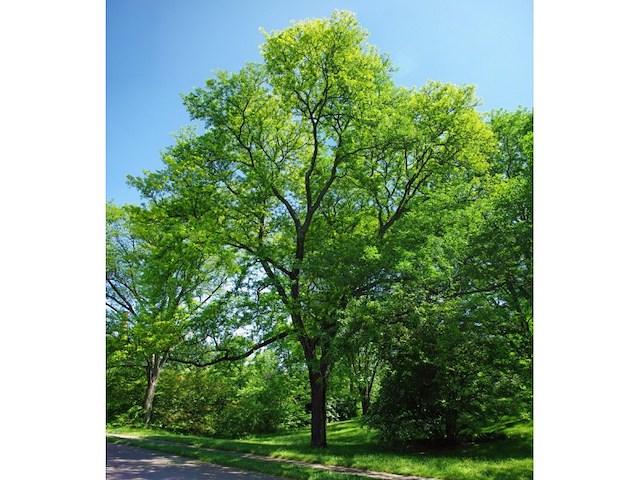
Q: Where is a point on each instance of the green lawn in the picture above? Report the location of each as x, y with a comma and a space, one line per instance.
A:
351, 445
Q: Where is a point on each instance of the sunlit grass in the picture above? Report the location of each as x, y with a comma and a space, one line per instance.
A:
351, 445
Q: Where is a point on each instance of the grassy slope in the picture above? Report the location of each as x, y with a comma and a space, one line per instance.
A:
352, 446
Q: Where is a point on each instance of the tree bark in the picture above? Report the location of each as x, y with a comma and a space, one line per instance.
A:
365, 400
154, 365
318, 381
152, 382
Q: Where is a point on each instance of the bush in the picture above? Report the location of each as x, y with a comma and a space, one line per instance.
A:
448, 383
134, 417
230, 400
125, 389
190, 400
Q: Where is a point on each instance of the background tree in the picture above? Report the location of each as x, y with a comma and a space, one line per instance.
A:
307, 164
465, 301
158, 281
358, 343
448, 376
503, 249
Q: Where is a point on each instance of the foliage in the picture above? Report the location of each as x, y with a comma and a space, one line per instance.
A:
342, 397
462, 355
125, 387
159, 282
270, 399
231, 399
503, 248
190, 400
448, 378
358, 348
376, 239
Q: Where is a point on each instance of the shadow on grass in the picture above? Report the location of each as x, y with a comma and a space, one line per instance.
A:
349, 440
350, 445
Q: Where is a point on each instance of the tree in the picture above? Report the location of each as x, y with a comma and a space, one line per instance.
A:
307, 163
448, 378
358, 344
501, 252
158, 282
471, 323
507, 237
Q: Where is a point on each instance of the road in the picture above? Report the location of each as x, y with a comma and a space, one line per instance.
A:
132, 463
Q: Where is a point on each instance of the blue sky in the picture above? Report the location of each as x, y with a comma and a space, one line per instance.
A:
158, 49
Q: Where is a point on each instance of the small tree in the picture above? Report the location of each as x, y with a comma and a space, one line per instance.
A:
158, 282
358, 344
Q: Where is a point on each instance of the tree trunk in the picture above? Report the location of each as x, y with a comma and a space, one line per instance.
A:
451, 429
153, 372
365, 391
365, 399
318, 382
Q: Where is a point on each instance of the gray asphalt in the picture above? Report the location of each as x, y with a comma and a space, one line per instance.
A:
132, 463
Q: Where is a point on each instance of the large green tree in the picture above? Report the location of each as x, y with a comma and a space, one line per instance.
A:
308, 162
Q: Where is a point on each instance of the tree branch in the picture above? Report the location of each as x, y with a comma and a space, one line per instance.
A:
123, 300
230, 358
288, 206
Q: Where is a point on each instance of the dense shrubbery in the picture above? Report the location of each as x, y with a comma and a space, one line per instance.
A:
228, 400
231, 400
446, 384
125, 389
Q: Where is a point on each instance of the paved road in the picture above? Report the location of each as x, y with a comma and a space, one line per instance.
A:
132, 463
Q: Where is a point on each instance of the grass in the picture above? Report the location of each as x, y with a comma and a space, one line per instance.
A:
232, 460
350, 445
